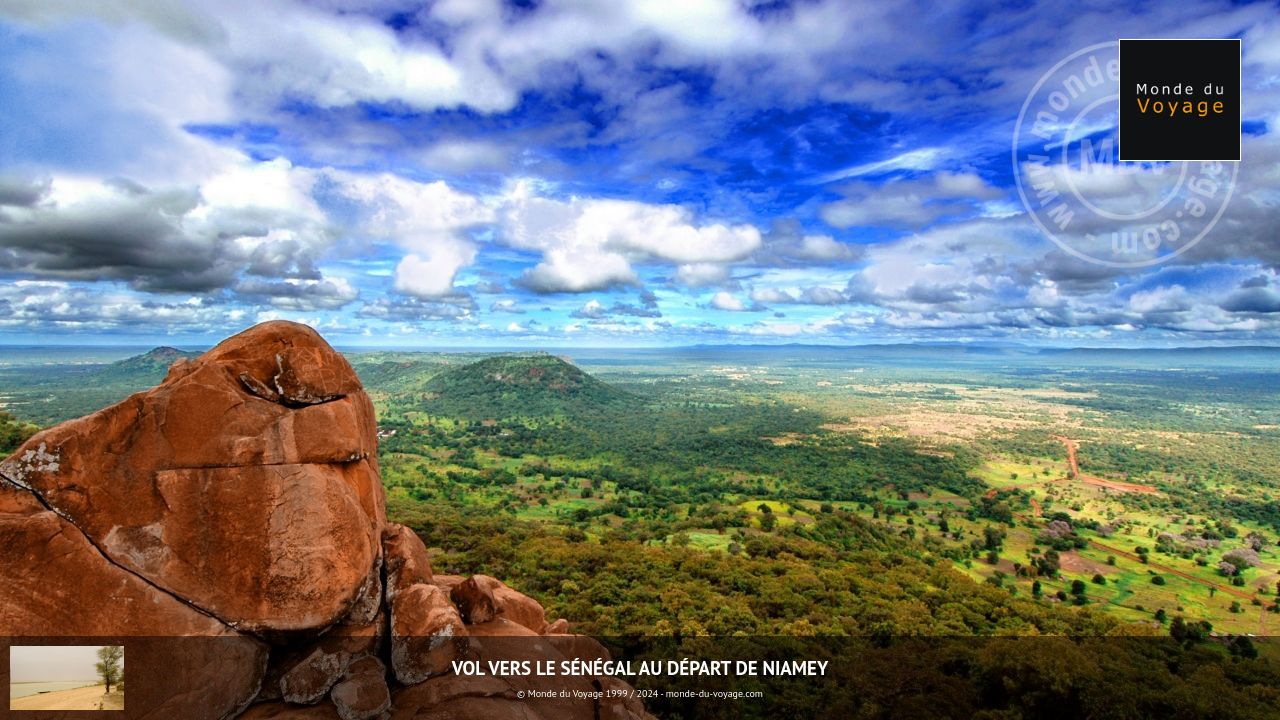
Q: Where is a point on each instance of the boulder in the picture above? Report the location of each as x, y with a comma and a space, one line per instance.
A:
447, 582
57, 584
427, 633
309, 680
406, 558
363, 692
245, 484
481, 598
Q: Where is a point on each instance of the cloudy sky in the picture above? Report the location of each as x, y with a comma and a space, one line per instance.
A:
589, 172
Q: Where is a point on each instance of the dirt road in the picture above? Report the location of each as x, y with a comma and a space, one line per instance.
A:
85, 698
1097, 481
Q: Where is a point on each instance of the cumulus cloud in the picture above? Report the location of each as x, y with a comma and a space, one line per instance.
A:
724, 300
299, 294
254, 218
697, 275
506, 305
431, 274
772, 296
564, 270
818, 295
1253, 300
595, 310
787, 245
430, 220
909, 203
812, 295
412, 309
54, 306
589, 244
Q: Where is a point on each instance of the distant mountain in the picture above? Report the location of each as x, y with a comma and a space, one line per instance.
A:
513, 385
991, 351
144, 370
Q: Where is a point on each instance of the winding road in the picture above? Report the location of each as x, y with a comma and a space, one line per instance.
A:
1097, 481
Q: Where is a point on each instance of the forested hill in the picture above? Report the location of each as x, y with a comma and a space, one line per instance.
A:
143, 370
520, 385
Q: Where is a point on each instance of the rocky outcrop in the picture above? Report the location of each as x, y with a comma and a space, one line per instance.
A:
171, 483
228, 526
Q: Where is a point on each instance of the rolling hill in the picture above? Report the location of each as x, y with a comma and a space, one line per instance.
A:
520, 385
145, 370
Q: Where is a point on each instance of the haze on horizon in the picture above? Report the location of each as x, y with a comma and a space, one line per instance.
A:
487, 174
50, 663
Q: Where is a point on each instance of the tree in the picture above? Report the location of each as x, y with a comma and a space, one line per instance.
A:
109, 666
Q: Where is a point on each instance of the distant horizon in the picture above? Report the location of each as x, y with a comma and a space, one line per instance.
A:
42, 663
145, 347
95, 681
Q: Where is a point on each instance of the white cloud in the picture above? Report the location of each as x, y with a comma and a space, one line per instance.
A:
589, 244
37, 305
564, 270
909, 203
727, 301
250, 217
427, 219
431, 274
919, 159
591, 309
464, 156
771, 296
1173, 298
696, 275
505, 305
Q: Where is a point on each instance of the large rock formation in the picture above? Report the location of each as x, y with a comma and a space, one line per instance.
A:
233, 517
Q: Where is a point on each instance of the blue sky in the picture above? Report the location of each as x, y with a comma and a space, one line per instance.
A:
589, 173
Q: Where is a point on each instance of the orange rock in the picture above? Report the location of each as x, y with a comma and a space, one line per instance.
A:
500, 627
406, 558
56, 583
309, 680
363, 692
481, 598
246, 483
426, 633
447, 582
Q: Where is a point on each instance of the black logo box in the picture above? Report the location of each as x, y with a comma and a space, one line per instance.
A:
1180, 65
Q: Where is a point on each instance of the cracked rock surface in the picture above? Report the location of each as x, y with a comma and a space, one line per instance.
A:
229, 527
